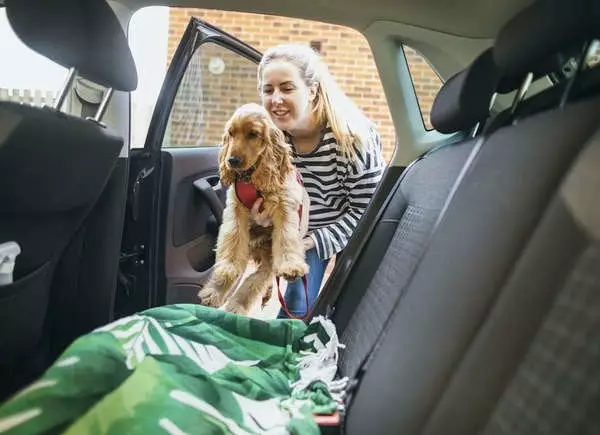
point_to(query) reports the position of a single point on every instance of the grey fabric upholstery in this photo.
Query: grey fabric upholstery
(473, 256)
(557, 386)
(548, 261)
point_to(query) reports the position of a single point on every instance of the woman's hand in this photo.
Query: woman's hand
(308, 243)
(264, 220)
(260, 217)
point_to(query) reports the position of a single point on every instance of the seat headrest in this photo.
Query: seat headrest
(84, 34)
(464, 100)
(529, 41)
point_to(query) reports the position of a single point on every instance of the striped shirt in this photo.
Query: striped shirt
(339, 189)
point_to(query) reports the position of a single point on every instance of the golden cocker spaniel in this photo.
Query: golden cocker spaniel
(256, 155)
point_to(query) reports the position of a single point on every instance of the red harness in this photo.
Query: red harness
(248, 194)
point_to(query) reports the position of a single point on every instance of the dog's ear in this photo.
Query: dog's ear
(280, 152)
(225, 174)
(275, 161)
(278, 144)
(276, 136)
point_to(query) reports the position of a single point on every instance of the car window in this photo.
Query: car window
(28, 77)
(345, 50)
(425, 81)
(215, 83)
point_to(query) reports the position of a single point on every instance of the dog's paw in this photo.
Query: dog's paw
(266, 297)
(292, 270)
(226, 273)
(210, 297)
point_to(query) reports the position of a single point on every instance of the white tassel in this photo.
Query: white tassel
(321, 365)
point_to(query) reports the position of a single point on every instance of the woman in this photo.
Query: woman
(335, 147)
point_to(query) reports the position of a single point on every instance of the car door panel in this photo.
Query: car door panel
(191, 226)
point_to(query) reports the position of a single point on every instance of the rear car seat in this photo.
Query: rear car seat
(408, 218)
(57, 167)
(498, 327)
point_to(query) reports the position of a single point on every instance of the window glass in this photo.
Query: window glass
(215, 83)
(426, 83)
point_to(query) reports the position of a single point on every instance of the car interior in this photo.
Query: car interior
(468, 300)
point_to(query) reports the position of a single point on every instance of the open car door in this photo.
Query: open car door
(175, 199)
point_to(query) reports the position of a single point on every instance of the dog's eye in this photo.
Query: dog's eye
(252, 134)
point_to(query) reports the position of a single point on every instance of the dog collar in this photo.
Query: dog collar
(245, 176)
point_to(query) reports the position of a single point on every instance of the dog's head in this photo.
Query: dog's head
(252, 143)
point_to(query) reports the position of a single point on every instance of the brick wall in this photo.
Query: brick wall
(346, 52)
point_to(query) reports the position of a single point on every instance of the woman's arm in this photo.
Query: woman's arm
(361, 182)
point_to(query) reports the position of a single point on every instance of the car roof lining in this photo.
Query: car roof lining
(467, 18)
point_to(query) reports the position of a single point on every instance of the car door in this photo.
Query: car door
(175, 199)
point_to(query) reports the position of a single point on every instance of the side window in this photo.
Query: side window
(426, 83)
(216, 82)
(29, 77)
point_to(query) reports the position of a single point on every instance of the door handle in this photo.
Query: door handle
(207, 187)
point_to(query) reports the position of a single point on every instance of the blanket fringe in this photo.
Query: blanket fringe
(321, 364)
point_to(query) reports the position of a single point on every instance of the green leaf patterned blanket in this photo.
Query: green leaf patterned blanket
(185, 369)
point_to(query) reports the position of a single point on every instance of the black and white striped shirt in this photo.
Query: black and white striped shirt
(339, 189)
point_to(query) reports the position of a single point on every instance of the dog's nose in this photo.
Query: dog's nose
(235, 161)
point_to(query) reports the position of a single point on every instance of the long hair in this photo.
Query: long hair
(331, 105)
(275, 162)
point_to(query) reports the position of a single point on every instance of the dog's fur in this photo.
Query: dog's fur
(252, 136)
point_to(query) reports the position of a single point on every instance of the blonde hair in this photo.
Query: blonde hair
(349, 125)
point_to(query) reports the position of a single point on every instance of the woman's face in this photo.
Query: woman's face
(286, 97)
